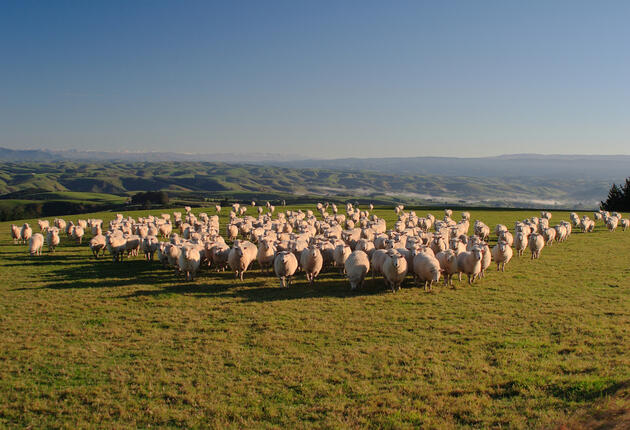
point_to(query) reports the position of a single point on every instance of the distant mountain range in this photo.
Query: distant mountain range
(595, 167)
(7, 154)
(35, 180)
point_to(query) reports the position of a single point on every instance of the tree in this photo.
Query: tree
(150, 197)
(618, 198)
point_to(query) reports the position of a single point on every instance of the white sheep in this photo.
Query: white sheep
(502, 254)
(77, 233)
(116, 245)
(550, 235)
(377, 261)
(15, 234)
(536, 244)
(448, 265)
(98, 244)
(340, 255)
(311, 261)
(611, 223)
(35, 244)
(520, 243)
(266, 252)
(426, 269)
(189, 261)
(26, 232)
(52, 238)
(285, 265)
(356, 266)
(394, 269)
(44, 225)
(469, 263)
(625, 223)
(561, 232)
(507, 237)
(240, 257)
(149, 246)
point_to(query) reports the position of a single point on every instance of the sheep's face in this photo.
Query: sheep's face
(451, 257)
(477, 253)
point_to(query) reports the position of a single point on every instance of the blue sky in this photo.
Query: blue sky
(317, 78)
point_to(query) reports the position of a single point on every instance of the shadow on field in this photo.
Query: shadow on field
(104, 273)
(22, 260)
(260, 291)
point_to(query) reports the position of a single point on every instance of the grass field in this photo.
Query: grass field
(87, 343)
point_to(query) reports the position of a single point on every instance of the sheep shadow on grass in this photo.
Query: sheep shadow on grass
(106, 274)
(260, 290)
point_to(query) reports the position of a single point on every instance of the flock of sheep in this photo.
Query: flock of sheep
(354, 242)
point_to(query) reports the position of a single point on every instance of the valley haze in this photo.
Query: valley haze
(522, 180)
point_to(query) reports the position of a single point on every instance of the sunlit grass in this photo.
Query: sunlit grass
(88, 343)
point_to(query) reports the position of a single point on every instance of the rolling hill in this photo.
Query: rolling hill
(202, 180)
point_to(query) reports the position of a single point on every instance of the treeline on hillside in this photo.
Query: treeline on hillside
(618, 198)
(149, 198)
(14, 210)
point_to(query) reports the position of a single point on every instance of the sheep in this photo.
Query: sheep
(536, 244)
(438, 244)
(77, 233)
(394, 269)
(456, 245)
(285, 265)
(520, 243)
(116, 245)
(611, 223)
(165, 229)
(133, 244)
(561, 232)
(500, 228)
(189, 261)
(507, 237)
(502, 254)
(240, 257)
(365, 246)
(377, 261)
(311, 261)
(469, 263)
(549, 234)
(15, 234)
(60, 224)
(486, 258)
(52, 238)
(219, 254)
(625, 223)
(26, 232)
(44, 225)
(149, 246)
(340, 255)
(266, 252)
(232, 231)
(481, 230)
(356, 267)
(98, 244)
(35, 244)
(448, 265)
(426, 269)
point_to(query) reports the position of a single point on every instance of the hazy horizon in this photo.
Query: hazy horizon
(320, 80)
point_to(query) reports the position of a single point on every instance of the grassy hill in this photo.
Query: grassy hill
(218, 181)
(92, 343)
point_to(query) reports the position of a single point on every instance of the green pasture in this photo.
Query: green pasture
(94, 344)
